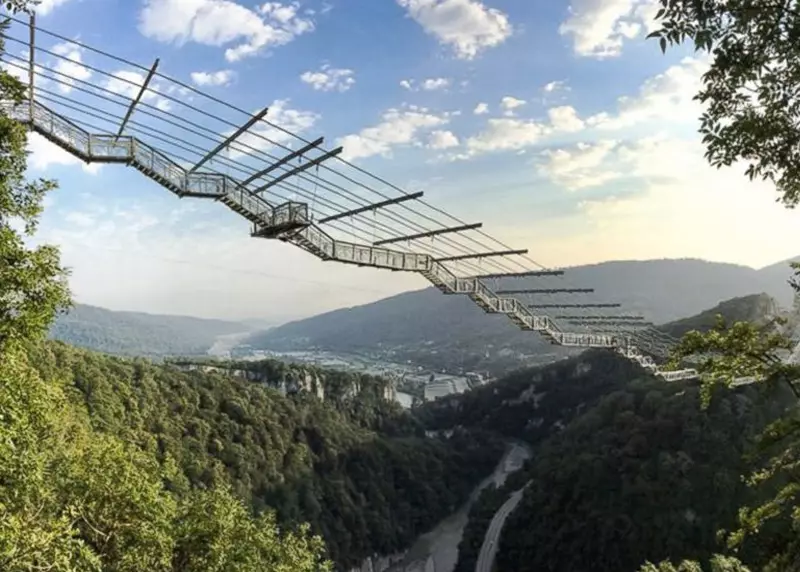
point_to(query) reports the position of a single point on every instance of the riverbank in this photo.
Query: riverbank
(437, 550)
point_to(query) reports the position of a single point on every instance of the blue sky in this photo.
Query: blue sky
(553, 122)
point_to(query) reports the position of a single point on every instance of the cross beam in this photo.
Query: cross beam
(373, 206)
(299, 169)
(611, 323)
(523, 274)
(283, 161)
(548, 291)
(210, 155)
(429, 233)
(482, 255)
(588, 318)
(136, 99)
(564, 306)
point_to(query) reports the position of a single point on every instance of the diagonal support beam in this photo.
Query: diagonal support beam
(429, 233)
(136, 99)
(210, 155)
(548, 291)
(299, 169)
(482, 255)
(283, 161)
(522, 274)
(371, 207)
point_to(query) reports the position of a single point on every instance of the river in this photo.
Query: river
(437, 550)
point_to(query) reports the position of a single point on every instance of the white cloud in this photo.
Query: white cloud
(223, 22)
(329, 79)
(398, 127)
(430, 84)
(70, 67)
(692, 210)
(128, 83)
(507, 135)
(442, 140)
(215, 78)
(259, 136)
(433, 84)
(599, 28)
(565, 119)
(580, 167)
(555, 86)
(467, 26)
(44, 154)
(143, 257)
(481, 109)
(509, 104)
(513, 134)
(667, 96)
(46, 6)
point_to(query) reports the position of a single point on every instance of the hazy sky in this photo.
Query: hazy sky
(553, 122)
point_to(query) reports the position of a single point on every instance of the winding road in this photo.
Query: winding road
(489, 547)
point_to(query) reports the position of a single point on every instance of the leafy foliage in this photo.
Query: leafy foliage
(33, 284)
(74, 499)
(718, 564)
(643, 474)
(359, 471)
(750, 89)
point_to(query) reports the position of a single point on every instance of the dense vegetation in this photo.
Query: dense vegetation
(642, 475)
(312, 461)
(139, 334)
(76, 499)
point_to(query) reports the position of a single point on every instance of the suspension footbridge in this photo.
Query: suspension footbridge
(294, 190)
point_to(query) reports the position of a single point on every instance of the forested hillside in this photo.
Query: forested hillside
(755, 309)
(450, 331)
(359, 470)
(139, 334)
(625, 467)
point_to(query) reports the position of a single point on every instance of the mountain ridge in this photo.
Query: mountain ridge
(140, 333)
(450, 331)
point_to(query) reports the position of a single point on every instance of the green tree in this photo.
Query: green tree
(33, 285)
(717, 564)
(751, 88)
(746, 350)
(71, 498)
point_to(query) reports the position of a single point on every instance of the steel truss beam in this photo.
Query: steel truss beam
(548, 291)
(136, 99)
(371, 207)
(565, 306)
(522, 274)
(429, 233)
(299, 169)
(615, 318)
(210, 155)
(482, 255)
(284, 161)
(610, 323)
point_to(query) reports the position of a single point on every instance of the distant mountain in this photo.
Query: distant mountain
(139, 334)
(450, 331)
